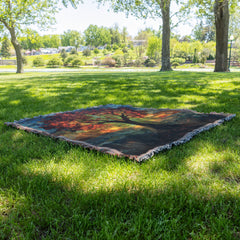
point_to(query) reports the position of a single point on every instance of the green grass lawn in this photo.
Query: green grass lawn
(52, 190)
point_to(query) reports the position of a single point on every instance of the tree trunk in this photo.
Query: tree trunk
(221, 12)
(165, 8)
(17, 48)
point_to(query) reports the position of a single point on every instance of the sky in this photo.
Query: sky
(88, 13)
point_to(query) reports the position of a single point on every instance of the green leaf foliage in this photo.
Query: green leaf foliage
(21, 13)
(5, 49)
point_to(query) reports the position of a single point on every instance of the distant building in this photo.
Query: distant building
(82, 48)
(137, 43)
(67, 48)
(48, 50)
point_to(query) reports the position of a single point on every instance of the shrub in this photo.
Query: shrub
(68, 60)
(105, 52)
(175, 64)
(38, 62)
(73, 61)
(109, 48)
(178, 60)
(76, 62)
(203, 59)
(115, 46)
(109, 61)
(150, 62)
(97, 62)
(63, 54)
(125, 50)
(54, 62)
(118, 52)
(119, 60)
(74, 51)
(96, 50)
(126, 59)
(86, 52)
(138, 62)
(24, 60)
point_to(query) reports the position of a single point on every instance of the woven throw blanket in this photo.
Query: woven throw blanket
(125, 131)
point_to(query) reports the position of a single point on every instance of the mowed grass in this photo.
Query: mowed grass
(52, 190)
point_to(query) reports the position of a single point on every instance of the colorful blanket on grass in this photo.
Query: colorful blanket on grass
(136, 133)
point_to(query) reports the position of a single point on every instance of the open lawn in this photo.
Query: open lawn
(53, 190)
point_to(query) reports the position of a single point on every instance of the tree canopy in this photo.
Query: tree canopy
(17, 15)
(97, 36)
(145, 9)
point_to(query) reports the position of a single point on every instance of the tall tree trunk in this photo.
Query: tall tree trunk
(17, 48)
(221, 12)
(165, 8)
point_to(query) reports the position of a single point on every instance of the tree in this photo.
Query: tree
(154, 48)
(31, 41)
(72, 38)
(234, 25)
(221, 10)
(144, 35)
(15, 15)
(51, 41)
(205, 32)
(97, 36)
(124, 35)
(115, 35)
(5, 49)
(144, 9)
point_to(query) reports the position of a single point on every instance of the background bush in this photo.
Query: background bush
(119, 60)
(54, 62)
(150, 62)
(68, 60)
(178, 60)
(77, 62)
(86, 52)
(109, 62)
(138, 62)
(96, 50)
(175, 64)
(74, 51)
(63, 54)
(24, 60)
(38, 62)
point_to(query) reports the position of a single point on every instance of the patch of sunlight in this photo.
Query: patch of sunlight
(17, 135)
(90, 103)
(223, 188)
(9, 202)
(156, 90)
(224, 82)
(115, 177)
(5, 207)
(200, 162)
(110, 98)
(15, 102)
(85, 177)
(145, 97)
(193, 98)
(66, 172)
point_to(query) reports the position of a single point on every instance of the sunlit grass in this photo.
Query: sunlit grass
(53, 190)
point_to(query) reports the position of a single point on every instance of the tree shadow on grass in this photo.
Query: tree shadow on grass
(43, 206)
(45, 94)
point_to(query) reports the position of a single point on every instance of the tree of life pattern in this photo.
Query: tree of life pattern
(129, 130)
